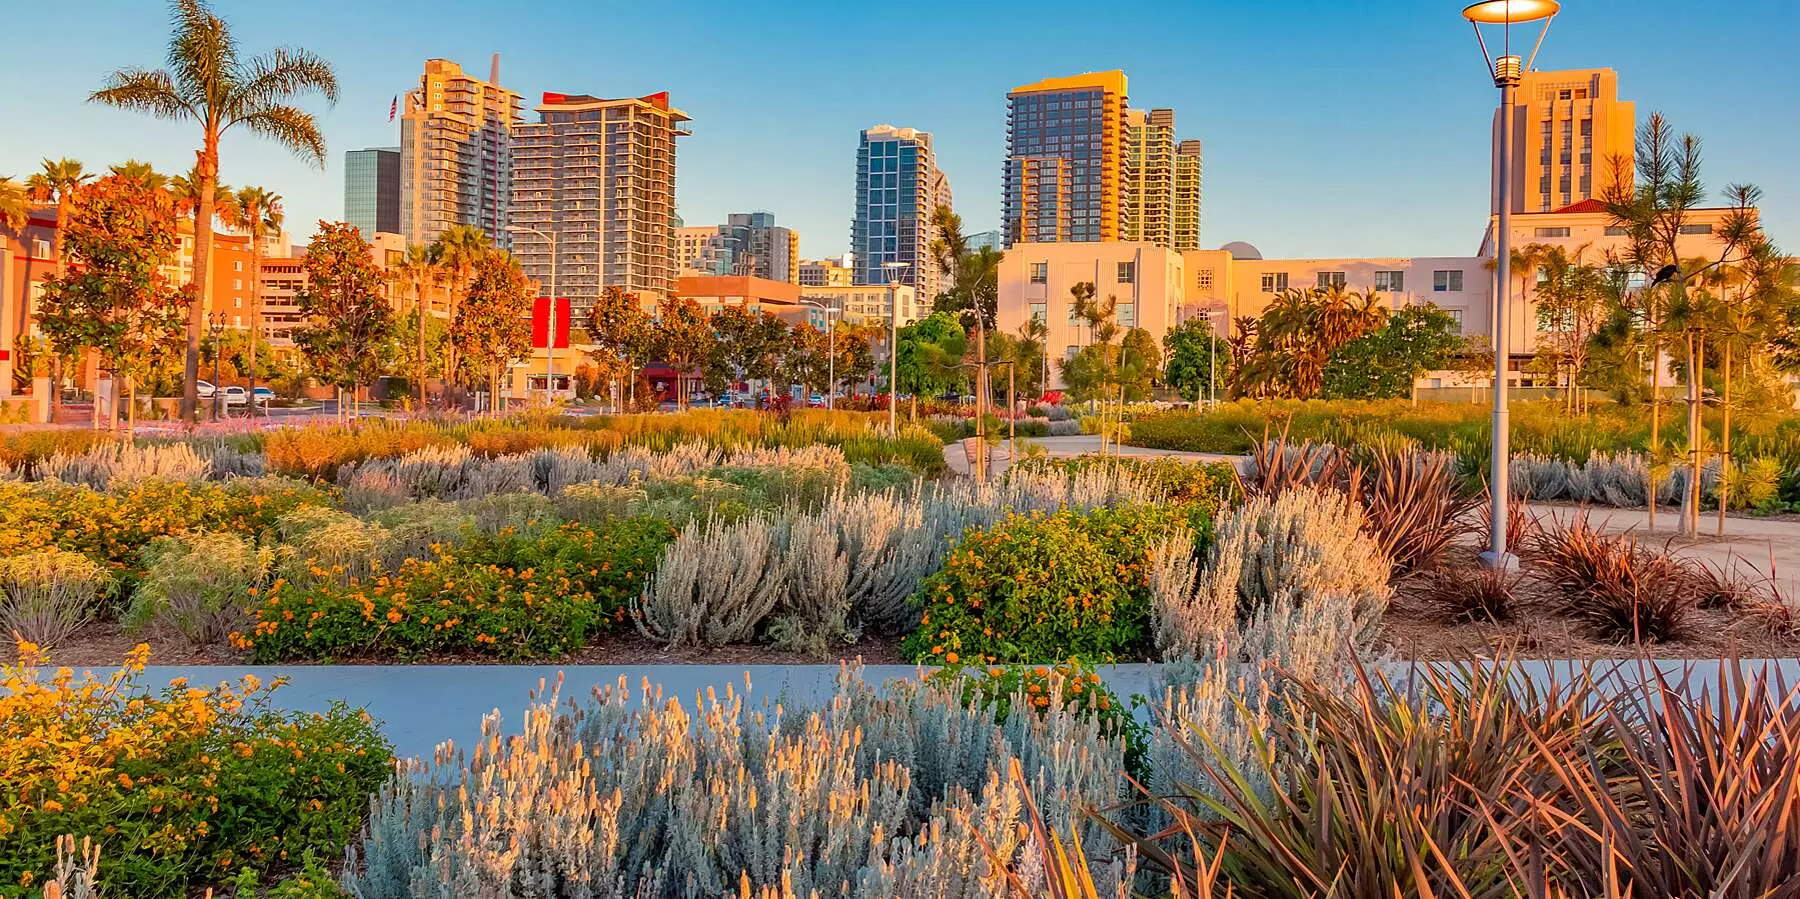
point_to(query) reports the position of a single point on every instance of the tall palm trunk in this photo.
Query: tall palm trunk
(208, 166)
(1655, 414)
(63, 202)
(1690, 516)
(255, 309)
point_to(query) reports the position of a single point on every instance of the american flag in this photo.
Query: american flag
(394, 108)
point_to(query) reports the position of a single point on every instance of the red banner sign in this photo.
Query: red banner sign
(540, 323)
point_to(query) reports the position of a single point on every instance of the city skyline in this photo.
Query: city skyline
(1303, 160)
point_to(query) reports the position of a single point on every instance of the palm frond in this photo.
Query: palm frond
(291, 127)
(144, 90)
(278, 77)
(202, 54)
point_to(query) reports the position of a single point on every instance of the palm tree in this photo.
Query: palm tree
(461, 247)
(186, 191)
(208, 84)
(142, 172)
(57, 183)
(421, 266)
(257, 212)
(15, 206)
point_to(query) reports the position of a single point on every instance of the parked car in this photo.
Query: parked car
(263, 395)
(236, 396)
(206, 389)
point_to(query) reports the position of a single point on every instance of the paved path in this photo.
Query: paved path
(421, 706)
(957, 454)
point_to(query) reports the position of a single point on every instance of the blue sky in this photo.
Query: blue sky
(1331, 129)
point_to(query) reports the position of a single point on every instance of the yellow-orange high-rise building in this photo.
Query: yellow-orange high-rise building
(456, 153)
(1066, 143)
(1569, 127)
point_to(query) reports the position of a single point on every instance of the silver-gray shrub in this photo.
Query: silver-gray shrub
(1619, 479)
(814, 611)
(200, 586)
(48, 594)
(1304, 549)
(122, 462)
(877, 793)
(890, 550)
(227, 461)
(716, 583)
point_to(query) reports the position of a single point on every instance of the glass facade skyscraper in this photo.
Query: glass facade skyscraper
(898, 189)
(372, 190)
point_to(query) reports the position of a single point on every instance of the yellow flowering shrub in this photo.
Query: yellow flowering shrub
(110, 527)
(182, 788)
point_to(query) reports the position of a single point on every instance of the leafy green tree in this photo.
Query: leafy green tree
(1198, 363)
(684, 339)
(420, 267)
(807, 360)
(855, 355)
(347, 321)
(1094, 369)
(622, 338)
(929, 357)
(492, 327)
(57, 181)
(1384, 363)
(209, 83)
(1298, 334)
(1140, 362)
(15, 205)
(749, 345)
(113, 298)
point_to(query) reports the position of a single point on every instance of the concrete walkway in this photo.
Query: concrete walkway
(957, 454)
(421, 706)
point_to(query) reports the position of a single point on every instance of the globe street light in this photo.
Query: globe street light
(1506, 70)
(550, 318)
(893, 284)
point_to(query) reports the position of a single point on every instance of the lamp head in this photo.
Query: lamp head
(1510, 12)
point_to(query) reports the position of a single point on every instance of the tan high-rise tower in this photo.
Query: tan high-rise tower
(1568, 128)
(1148, 193)
(1186, 231)
(599, 175)
(1065, 159)
(456, 153)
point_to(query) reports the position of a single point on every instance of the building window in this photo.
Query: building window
(1331, 279)
(1127, 272)
(1040, 273)
(1038, 313)
(1203, 279)
(1551, 232)
(1456, 315)
(1390, 281)
(1696, 229)
(1617, 231)
(40, 248)
(1274, 282)
(1447, 281)
(238, 265)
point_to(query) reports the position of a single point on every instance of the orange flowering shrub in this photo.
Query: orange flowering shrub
(509, 595)
(1033, 588)
(110, 527)
(181, 788)
(22, 448)
(318, 452)
(1071, 686)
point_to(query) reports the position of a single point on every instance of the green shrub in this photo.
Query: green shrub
(182, 787)
(1072, 687)
(47, 594)
(1211, 485)
(508, 594)
(200, 586)
(1038, 588)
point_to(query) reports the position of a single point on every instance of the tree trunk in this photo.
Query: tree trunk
(207, 164)
(1725, 441)
(131, 410)
(419, 362)
(255, 312)
(1690, 516)
(1655, 416)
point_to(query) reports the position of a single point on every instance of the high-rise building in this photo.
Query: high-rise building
(983, 240)
(372, 190)
(599, 175)
(1148, 196)
(898, 191)
(456, 153)
(749, 243)
(839, 272)
(1186, 217)
(1568, 127)
(1065, 159)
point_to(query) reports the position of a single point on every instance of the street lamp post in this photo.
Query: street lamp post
(550, 320)
(215, 325)
(831, 353)
(1506, 70)
(893, 285)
